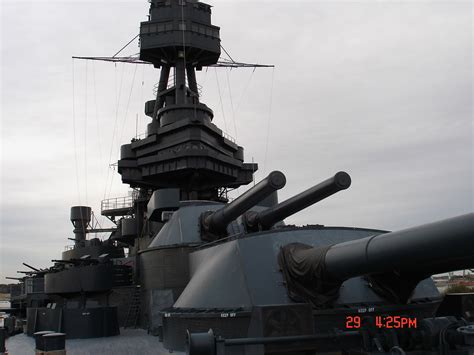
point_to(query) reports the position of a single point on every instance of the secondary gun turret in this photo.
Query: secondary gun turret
(266, 219)
(214, 224)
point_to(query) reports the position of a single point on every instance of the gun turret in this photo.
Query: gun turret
(393, 262)
(214, 224)
(266, 219)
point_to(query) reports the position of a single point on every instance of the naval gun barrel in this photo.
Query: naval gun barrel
(215, 223)
(29, 272)
(69, 261)
(395, 261)
(267, 218)
(432, 248)
(31, 267)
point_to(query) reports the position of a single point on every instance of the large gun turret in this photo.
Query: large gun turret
(394, 262)
(266, 219)
(215, 223)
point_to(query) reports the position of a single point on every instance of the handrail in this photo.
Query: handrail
(228, 136)
(118, 202)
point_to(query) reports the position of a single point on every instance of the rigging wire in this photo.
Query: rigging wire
(124, 121)
(231, 103)
(85, 137)
(220, 99)
(128, 103)
(97, 121)
(141, 96)
(114, 132)
(239, 103)
(232, 59)
(268, 123)
(232, 111)
(121, 49)
(183, 25)
(74, 133)
(99, 141)
(244, 91)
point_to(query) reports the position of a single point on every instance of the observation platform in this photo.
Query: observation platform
(117, 206)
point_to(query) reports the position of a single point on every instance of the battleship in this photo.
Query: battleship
(207, 274)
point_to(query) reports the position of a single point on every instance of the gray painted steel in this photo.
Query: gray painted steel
(247, 274)
(89, 278)
(215, 224)
(432, 248)
(80, 218)
(75, 322)
(267, 218)
(162, 200)
(199, 262)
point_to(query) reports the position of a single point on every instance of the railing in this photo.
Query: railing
(118, 202)
(140, 136)
(228, 136)
(171, 82)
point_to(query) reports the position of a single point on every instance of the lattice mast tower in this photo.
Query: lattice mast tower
(183, 148)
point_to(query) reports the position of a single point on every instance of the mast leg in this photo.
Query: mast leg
(192, 81)
(162, 85)
(180, 82)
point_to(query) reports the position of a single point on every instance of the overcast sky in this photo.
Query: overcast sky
(382, 90)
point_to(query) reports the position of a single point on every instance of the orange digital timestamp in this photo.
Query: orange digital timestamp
(386, 322)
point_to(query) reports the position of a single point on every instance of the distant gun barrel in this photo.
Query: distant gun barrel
(215, 223)
(436, 247)
(267, 218)
(14, 278)
(29, 272)
(70, 261)
(31, 267)
(396, 262)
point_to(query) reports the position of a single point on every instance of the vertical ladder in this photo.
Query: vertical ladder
(133, 313)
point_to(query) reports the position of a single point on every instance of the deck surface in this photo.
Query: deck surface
(129, 342)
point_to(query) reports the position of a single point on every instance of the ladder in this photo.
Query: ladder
(133, 312)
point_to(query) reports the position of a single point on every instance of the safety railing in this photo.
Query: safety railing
(228, 136)
(117, 203)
